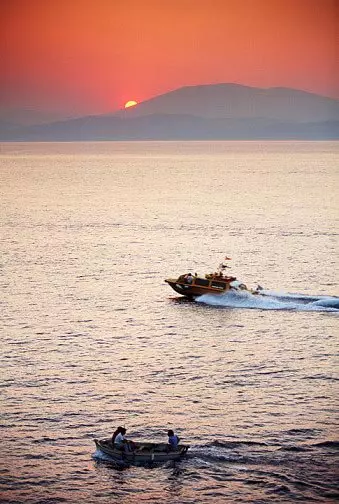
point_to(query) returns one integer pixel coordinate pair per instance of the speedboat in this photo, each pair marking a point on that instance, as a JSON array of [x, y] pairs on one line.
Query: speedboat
[[142, 452], [192, 286]]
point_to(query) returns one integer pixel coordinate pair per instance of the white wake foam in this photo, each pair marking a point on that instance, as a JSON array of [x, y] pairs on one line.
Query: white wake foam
[[269, 300]]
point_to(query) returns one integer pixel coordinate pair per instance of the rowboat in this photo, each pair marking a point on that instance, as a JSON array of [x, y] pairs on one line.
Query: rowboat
[[142, 452]]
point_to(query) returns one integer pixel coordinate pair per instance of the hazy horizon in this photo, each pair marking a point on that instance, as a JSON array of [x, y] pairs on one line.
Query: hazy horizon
[[49, 115]]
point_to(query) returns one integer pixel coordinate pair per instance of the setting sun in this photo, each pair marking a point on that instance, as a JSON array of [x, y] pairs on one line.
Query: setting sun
[[130, 103]]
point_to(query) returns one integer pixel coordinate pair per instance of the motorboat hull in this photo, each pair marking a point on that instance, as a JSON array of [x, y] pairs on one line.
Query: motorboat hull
[[194, 290]]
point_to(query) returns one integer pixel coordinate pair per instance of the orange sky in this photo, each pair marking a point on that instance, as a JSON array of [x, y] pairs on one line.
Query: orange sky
[[88, 56]]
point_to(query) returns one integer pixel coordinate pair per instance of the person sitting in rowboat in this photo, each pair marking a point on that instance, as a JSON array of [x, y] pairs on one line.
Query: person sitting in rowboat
[[118, 436], [119, 441], [173, 440]]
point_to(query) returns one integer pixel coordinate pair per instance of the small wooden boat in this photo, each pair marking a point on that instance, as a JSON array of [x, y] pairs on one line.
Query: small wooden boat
[[142, 452]]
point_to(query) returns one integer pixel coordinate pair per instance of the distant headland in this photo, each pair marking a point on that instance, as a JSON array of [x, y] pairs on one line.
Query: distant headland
[[205, 112]]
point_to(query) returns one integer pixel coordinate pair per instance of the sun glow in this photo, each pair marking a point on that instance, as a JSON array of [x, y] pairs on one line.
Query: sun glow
[[130, 103]]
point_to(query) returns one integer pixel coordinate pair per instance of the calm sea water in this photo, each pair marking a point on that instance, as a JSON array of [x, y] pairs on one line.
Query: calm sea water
[[93, 338]]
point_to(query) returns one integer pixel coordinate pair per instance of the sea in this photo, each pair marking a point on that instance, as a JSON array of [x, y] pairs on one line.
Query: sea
[[92, 337]]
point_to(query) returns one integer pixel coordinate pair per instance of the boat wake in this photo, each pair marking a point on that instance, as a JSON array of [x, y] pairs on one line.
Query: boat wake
[[270, 300], [271, 465]]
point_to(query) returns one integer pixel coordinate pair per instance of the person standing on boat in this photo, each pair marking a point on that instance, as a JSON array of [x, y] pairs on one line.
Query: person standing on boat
[[173, 440], [189, 278]]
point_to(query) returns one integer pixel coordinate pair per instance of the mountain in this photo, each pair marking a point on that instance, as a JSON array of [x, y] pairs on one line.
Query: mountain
[[233, 101], [210, 112]]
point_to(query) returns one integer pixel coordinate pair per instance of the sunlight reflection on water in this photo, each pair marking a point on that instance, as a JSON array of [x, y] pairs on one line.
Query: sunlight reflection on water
[[93, 337]]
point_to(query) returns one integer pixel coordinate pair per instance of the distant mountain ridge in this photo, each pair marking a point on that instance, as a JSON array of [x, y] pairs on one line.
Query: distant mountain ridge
[[230, 101], [207, 112]]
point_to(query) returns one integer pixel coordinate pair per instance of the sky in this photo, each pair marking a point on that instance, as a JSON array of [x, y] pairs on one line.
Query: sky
[[91, 56]]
